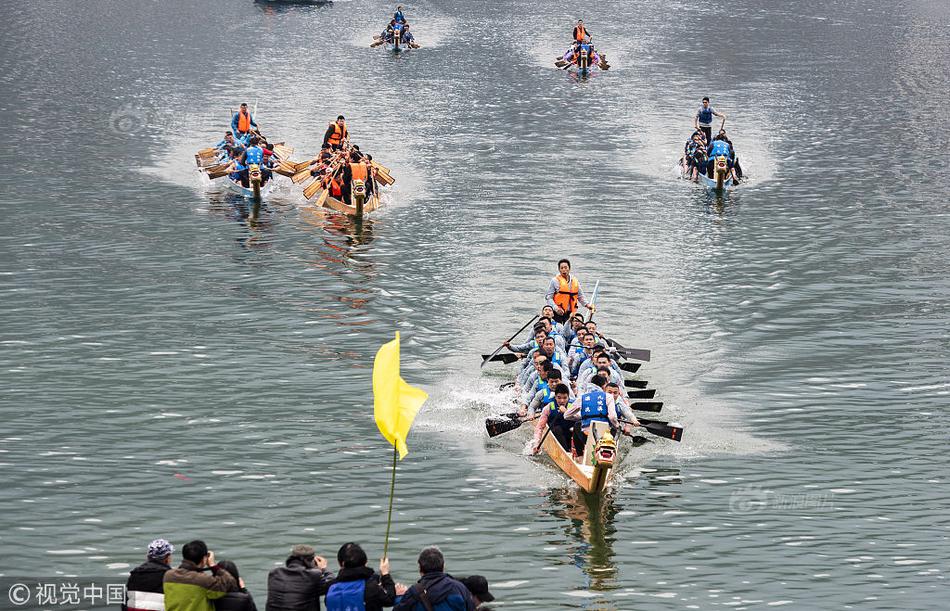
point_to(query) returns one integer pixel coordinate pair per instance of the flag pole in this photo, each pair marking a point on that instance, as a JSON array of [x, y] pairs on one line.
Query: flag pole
[[392, 492]]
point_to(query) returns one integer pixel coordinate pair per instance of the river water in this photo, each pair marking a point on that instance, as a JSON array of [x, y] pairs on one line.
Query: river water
[[170, 370]]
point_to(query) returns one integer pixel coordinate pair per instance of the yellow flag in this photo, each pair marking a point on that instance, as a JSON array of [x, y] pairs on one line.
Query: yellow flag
[[395, 402]]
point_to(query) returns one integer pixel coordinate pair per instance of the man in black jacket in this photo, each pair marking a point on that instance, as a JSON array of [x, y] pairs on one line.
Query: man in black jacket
[[435, 589], [356, 583], [144, 591], [299, 584]]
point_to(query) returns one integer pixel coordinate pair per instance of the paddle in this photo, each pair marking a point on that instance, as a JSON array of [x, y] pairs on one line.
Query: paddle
[[507, 358], [660, 429], [641, 394], [590, 315], [506, 386], [501, 347], [503, 423], [630, 367], [630, 353], [635, 383], [647, 406]]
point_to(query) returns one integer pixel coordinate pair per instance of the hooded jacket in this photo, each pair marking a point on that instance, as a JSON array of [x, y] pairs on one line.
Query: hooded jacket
[[187, 588], [444, 593], [380, 589], [143, 591]]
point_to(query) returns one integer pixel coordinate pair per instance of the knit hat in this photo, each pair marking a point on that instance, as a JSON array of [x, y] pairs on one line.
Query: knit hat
[[159, 548]]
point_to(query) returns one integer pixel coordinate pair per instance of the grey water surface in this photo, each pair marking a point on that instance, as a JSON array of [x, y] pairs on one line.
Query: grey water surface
[[169, 369]]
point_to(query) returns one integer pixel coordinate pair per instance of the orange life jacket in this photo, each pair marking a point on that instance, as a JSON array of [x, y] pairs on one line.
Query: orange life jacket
[[338, 135], [566, 295], [358, 171], [335, 189], [244, 122], [581, 33]]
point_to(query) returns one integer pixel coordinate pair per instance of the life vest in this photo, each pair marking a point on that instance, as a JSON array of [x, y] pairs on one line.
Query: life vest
[[255, 154], [346, 596], [593, 407], [566, 295], [705, 116], [338, 135], [719, 147], [358, 171], [580, 33], [548, 397], [244, 121], [335, 189]]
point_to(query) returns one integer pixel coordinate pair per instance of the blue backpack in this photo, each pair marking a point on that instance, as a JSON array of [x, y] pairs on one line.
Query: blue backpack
[[346, 596]]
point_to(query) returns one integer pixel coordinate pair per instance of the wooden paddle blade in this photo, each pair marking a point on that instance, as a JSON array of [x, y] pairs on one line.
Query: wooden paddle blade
[[381, 167], [283, 150], [635, 383], [323, 197], [630, 367], [503, 423], [508, 358], [647, 406], [303, 165], [218, 174], [312, 189], [283, 171], [299, 177], [641, 394], [373, 45], [385, 178]]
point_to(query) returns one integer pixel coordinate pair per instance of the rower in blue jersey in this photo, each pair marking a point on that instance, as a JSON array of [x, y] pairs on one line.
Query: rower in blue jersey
[[704, 118], [592, 406], [254, 154], [721, 148], [544, 395], [552, 416], [398, 16]]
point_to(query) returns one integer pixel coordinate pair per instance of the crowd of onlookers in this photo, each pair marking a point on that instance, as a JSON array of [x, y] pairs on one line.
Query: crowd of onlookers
[[201, 583]]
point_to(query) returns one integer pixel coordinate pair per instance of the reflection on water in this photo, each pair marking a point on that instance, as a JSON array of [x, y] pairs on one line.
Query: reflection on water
[[589, 522]]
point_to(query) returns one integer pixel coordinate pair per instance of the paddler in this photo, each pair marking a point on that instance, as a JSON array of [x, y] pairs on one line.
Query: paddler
[[242, 122], [336, 134], [254, 154], [564, 293], [398, 16], [552, 416], [356, 169], [704, 118], [592, 406]]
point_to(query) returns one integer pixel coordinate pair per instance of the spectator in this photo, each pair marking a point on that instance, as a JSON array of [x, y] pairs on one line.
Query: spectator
[[299, 584], [237, 598], [188, 588], [356, 585], [143, 591], [435, 591], [477, 586]]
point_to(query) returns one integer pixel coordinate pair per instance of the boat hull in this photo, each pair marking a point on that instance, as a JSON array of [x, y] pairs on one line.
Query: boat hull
[[592, 478], [711, 184], [236, 187], [334, 204]]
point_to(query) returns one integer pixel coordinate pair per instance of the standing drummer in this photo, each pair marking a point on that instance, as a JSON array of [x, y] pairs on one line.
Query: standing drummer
[[564, 293]]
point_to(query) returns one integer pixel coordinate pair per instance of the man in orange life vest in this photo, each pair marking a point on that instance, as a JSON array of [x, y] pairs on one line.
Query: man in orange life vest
[[579, 33], [242, 122], [356, 169], [564, 293], [336, 134]]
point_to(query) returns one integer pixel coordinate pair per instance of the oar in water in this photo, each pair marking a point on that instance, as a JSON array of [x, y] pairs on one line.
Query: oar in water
[[503, 423], [660, 429], [487, 358], [630, 367], [630, 353], [635, 383], [641, 394], [508, 358], [647, 406]]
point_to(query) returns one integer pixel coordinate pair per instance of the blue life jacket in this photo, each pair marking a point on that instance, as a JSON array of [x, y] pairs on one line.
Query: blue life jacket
[[255, 154], [719, 147], [705, 115], [346, 596], [548, 396], [593, 407], [399, 17]]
